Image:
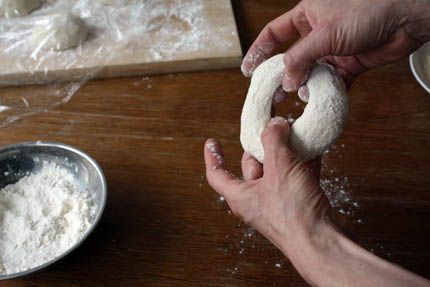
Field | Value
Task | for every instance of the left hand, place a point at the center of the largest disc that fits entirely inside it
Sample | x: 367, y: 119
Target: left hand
x: 281, y: 197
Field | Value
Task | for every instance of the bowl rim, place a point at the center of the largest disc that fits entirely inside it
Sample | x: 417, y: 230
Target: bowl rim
x: 97, y: 218
x: 414, y: 72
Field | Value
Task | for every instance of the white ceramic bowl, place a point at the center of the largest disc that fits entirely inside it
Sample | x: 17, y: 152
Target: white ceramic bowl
x: 420, y: 65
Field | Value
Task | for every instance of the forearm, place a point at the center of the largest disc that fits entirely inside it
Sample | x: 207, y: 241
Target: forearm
x: 416, y: 18
x: 325, y: 257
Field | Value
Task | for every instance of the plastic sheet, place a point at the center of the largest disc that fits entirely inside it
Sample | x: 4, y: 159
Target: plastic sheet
x: 28, y: 62
x: 118, y: 32
x: 22, y: 58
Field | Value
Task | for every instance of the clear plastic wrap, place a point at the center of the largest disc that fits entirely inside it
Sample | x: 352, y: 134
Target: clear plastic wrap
x: 123, y: 37
x: 24, y: 61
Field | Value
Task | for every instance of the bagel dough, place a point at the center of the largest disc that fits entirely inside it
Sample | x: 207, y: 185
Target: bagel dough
x: 17, y: 8
x: 315, y: 130
x: 59, y: 32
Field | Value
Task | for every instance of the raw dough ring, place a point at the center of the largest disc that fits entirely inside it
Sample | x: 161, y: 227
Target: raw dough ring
x: 315, y: 130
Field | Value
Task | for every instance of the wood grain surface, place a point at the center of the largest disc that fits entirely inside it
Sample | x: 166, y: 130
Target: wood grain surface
x: 164, y: 226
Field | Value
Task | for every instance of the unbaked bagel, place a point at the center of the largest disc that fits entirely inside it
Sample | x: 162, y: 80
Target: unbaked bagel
x: 17, y: 8
x: 315, y: 130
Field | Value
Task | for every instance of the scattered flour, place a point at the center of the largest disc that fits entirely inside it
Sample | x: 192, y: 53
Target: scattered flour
x: 41, y: 216
x: 337, y: 186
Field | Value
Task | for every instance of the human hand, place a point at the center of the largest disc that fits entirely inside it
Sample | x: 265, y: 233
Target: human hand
x: 279, y: 198
x: 354, y: 35
x: 283, y: 200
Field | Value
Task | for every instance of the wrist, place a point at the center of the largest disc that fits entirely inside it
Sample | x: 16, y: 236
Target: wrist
x: 306, y: 230
x: 415, y: 18
x: 304, y: 223
x: 314, y: 252
x: 324, y: 256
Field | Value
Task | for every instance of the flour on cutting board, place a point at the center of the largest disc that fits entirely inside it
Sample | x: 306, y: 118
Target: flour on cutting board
x: 140, y: 32
x: 167, y: 28
x: 41, y: 216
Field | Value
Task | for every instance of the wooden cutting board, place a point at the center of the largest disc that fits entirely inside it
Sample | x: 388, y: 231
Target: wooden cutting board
x: 164, y: 36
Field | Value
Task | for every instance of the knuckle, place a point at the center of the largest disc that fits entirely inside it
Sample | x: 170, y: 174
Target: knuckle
x: 284, y: 161
x: 269, y: 28
x: 289, y: 61
x: 235, y: 207
x: 270, y: 131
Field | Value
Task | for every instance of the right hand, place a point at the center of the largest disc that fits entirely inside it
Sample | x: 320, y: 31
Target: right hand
x: 353, y: 35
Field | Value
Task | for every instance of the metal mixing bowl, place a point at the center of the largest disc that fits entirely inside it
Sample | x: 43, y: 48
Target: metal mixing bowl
x: 18, y: 160
x: 420, y: 65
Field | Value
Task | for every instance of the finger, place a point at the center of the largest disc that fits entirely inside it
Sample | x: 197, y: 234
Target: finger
x: 270, y: 38
x: 348, y: 67
x: 393, y: 50
x: 315, y: 167
x: 304, y: 93
x: 279, y: 95
x: 255, y: 56
x: 302, y: 56
x: 251, y: 168
x: 216, y: 171
x: 275, y: 143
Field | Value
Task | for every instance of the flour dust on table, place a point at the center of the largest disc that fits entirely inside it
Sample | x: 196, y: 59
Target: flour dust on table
x: 41, y: 216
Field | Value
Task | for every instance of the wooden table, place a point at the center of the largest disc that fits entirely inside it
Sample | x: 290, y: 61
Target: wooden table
x: 164, y: 226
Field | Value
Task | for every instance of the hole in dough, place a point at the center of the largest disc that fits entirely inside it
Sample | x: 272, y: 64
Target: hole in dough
x: 315, y: 130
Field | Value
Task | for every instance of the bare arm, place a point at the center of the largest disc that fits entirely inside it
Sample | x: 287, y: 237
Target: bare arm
x: 282, y: 199
x: 326, y: 257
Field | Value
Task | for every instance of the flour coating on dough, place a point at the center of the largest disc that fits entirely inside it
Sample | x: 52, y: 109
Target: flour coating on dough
x: 315, y: 130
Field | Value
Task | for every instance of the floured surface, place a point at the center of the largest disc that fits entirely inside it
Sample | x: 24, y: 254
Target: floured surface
x: 141, y: 38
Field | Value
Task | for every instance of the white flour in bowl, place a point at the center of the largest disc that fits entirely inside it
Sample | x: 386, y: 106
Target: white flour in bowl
x: 41, y: 216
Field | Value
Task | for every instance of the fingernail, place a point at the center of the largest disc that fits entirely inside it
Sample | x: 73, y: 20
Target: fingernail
x: 254, y: 59
x: 215, y: 150
x: 245, y: 72
x: 279, y: 95
x: 305, y: 77
x: 277, y: 121
x: 290, y: 85
x: 304, y: 93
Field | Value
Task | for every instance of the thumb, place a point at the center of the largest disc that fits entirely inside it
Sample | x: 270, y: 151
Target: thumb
x: 275, y: 143
x: 302, y: 56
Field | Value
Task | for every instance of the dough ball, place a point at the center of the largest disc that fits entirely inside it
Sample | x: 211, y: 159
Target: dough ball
x: 59, y: 32
x: 17, y: 8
